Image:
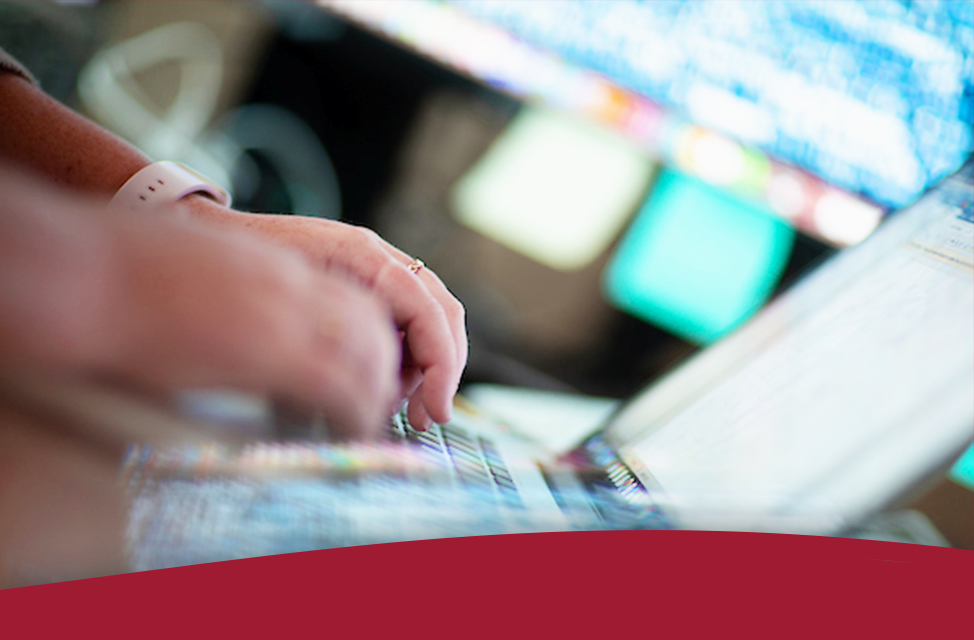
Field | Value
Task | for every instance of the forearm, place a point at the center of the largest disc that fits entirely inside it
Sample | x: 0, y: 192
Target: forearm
x: 44, y: 137
x: 39, y: 134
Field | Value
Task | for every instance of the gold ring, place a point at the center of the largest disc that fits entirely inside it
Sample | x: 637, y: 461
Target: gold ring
x: 416, y: 266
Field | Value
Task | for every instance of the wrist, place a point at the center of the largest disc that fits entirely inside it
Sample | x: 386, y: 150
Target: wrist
x: 203, y: 207
x: 162, y: 184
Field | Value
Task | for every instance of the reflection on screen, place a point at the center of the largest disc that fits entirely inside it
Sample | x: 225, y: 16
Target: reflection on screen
x: 854, y: 389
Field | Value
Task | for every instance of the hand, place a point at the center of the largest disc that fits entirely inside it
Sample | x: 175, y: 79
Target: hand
x: 171, y: 303
x: 430, y: 317
x: 242, y: 312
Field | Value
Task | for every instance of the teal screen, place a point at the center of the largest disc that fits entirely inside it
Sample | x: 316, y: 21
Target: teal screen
x: 697, y: 261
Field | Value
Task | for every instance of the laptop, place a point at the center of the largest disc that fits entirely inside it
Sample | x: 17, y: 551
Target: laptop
x: 832, y: 403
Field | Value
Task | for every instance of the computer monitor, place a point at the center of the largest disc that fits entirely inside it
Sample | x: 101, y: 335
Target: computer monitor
x: 795, y: 103
x: 691, y: 139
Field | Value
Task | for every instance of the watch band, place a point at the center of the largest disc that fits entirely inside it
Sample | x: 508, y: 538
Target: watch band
x: 163, y: 183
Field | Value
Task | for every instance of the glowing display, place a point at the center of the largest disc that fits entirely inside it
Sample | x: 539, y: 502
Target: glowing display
x: 963, y: 470
x: 873, y: 97
x: 695, y: 261
x: 554, y: 188
x: 855, y: 380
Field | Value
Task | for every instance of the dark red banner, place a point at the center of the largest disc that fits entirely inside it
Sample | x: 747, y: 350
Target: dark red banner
x: 582, y: 584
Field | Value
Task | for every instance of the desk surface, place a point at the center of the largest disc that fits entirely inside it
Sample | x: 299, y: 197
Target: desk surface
x: 950, y: 508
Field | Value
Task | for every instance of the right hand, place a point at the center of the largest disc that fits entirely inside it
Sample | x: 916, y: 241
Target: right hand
x: 429, y: 317
x: 168, y: 302
x: 203, y: 307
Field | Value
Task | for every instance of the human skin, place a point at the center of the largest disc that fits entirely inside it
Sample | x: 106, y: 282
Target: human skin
x: 166, y: 302
x: 46, y: 138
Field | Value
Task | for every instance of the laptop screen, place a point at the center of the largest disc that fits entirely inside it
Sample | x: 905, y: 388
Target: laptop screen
x: 853, y: 385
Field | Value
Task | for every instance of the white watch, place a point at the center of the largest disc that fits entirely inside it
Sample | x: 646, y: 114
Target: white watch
x: 163, y: 183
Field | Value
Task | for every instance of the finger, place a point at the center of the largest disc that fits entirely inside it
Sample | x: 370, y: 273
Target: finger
x: 451, y: 306
x: 351, y: 406
x: 354, y: 359
x: 410, y: 379
x: 416, y: 310
x: 335, y: 244
x: 364, y: 255
x: 418, y: 417
x: 356, y: 404
x: 350, y: 414
x: 456, y: 315
x: 440, y: 379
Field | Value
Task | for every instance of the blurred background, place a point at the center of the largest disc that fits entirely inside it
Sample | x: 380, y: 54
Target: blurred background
x: 608, y: 187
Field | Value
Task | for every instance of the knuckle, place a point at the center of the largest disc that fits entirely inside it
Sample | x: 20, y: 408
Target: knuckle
x: 364, y: 235
x: 442, y: 313
x: 455, y: 309
x: 398, y: 278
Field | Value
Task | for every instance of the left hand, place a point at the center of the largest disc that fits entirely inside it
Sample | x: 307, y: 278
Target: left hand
x: 429, y: 316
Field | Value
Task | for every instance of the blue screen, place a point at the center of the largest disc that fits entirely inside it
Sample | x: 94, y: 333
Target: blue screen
x: 874, y: 97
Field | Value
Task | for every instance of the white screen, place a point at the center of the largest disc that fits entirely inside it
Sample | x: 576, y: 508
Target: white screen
x: 852, y: 385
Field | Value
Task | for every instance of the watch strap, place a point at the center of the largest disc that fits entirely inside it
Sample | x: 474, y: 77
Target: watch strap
x: 162, y: 184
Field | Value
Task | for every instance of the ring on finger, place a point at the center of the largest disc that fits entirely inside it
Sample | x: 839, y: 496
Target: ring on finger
x: 416, y: 266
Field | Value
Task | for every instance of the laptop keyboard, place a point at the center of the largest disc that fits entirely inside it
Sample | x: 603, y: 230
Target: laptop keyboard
x: 208, y: 506
x: 474, y: 459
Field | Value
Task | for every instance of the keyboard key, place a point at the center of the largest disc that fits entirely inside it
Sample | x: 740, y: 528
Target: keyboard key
x: 501, y: 474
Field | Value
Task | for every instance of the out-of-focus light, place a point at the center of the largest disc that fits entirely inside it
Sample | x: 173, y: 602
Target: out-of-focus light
x: 724, y: 111
x: 963, y: 470
x: 697, y: 261
x: 645, y: 122
x: 786, y: 195
x: 610, y: 104
x: 715, y: 158
x: 423, y: 24
x: 845, y: 220
x: 755, y: 175
x: 554, y: 188
x: 829, y: 102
